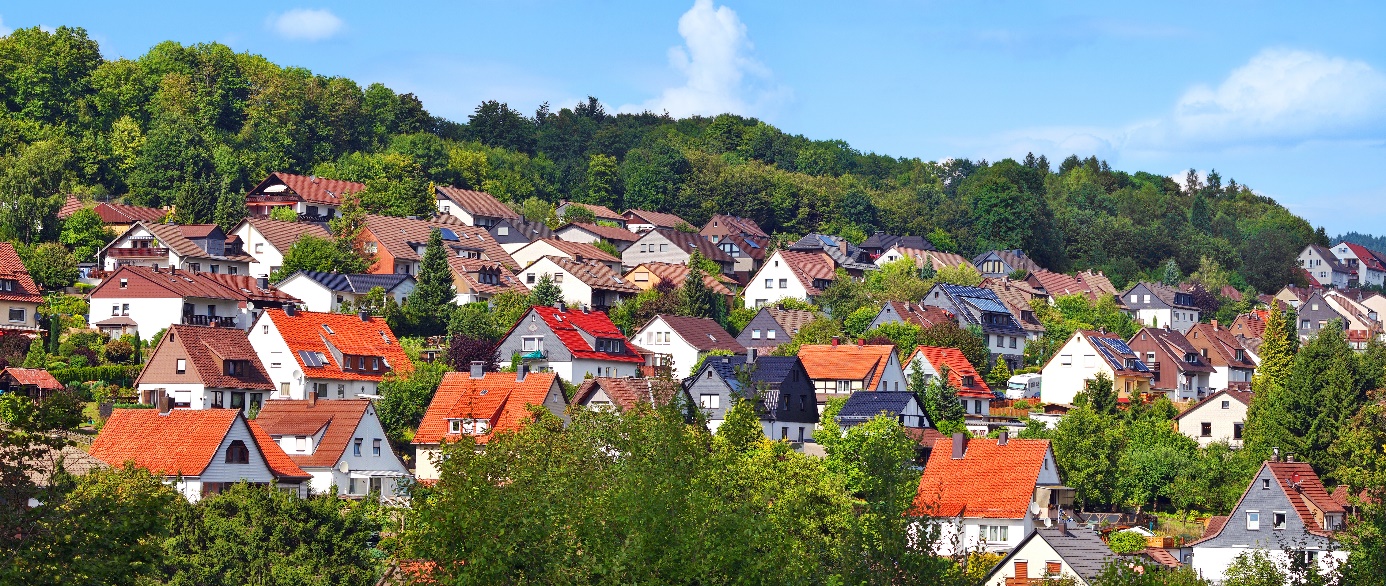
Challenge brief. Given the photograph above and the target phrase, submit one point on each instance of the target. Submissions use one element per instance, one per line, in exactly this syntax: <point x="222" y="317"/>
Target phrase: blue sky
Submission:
<point x="1289" y="98"/>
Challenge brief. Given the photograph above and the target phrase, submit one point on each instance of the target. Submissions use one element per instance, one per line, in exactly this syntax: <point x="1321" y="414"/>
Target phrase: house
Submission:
<point x="747" y="253"/>
<point x="1250" y="325"/>
<point x="1359" y="320"/>
<point x="678" y="342"/>
<point x="315" y="199"/>
<point x="621" y="238"/>
<point x="1368" y="266"/>
<point x="924" y="316"/>
<point x="721" y="225"/>
<point x="674" y="247"/>
<point x="474" y="208"/>
<point x="1178" y="370"/>
<point x="570" y="342"/>
<point x="267" y="241"/>
<point x="479" y="280"/>
<point x="1093" y="285"/>
<point x="593" y="285"/>
<point x="1050" y="554"/>
<point x="202" y="367"/>
<point x="198" y="452"/>
<point x="599" y="212"/>
<point x="1017" y="296"/>
<point x="1285" y="511"/>
<point x="513" y="235"/>
<point x="782" y="390"/>
<point x="844" y="254"/>
<point x="864" y="406"/>
<point x="331" y="355"/>
<point x="1232" y="364"/>
<point x="1219" y="417"/>
<point x="145" y="300"/>
<point x="1085" y="355"/>
<point x="1315" y="313"/>
<point x="578" y="251"/>
<point x="627" y="393"/>
<point x="398" y="243"/>
<point x="30" y="382"/>
<point x="790" y="274"/>
<point x="970" y="387"/>
<point x="879" y="242"/>
<point x="330" y="292"/>
<point x="1002" y="263"/>
<point x="838" y="370"/>
<point x="989" y="494"/>
<point x="645" y="220"/>
<point x="340" y="443"/>
<point x="1294" y="296"/>
<point x="1157" y="305"/>
<point x="772" y="326"/>
<point x="1004" y="337"/>
<point x="191" y="247"/>
<point x="650" y="275"/>
<point x="20" y="297"/>
<point x="479" y="405"/>
<point x="117" y="217"/>
<point x="933" y="259"/>
<point x="1324" y="267"/>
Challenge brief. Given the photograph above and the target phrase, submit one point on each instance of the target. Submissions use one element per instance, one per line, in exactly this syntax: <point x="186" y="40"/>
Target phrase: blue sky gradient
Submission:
<point x="1289" y="98"/>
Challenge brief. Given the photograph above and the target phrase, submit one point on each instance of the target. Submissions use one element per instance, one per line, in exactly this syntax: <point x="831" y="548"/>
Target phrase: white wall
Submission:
<point x="573" y="288"/>
<point x="267" y="258"/>
<point x="1179" y="319"/>
<point x="1222" y="420"/>
<point x="151" y="314"/>
<point x="271" y="349"/>
<point x="368" y="430"/>
<point x="450" y="208"/>
<point x="1212" y="562"/>
<point x="1037" y="554"/>
<point x="198" y="395"/>
<point x="684" y="354"/>
<point x="965" y="534"/>
<point x="535" y="251"/>
<point x="576" y="234"/>
<point x="1060" y="382"/>
<point x="775" y="269"/>
<point x="315" y="296"/>
<point x="785" y="430"/>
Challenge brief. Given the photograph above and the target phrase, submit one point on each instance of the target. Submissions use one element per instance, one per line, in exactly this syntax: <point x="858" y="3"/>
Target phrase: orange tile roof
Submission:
<point x="477" y="203"/>
<point x="496" y="398"/>
<point x="279" y="463"/>
<point x="628" y="393"/>
<point x="36" y="377"/>
<point x="990" y="481"/>
<point x="181" y="442"/>
<point x="291" y="417"/>
<point x="847" y="362"/>
<point x="304" y="332"/>
<point x="958" y="367"/>
<point x="13" y="268"/>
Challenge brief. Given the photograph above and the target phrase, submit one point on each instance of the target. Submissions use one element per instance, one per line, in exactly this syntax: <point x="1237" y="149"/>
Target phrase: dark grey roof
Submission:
<point x="854" y="258"/>
<point x="1014" y="258"/>
<point x="771" y="370"/>
<point x="1080" y="548"/>
<point x="864" y="405"/>
<point x="971" y="301"/>
<point x="358" y="283"/>
<point x="882" y="241"/>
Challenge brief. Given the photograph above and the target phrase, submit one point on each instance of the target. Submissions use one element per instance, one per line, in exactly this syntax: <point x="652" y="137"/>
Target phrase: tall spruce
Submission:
<point x="430" y="305"/>
<point x="696" y="299"/>
<point x="1266" y="422"/>
<point x="545" y="292"/>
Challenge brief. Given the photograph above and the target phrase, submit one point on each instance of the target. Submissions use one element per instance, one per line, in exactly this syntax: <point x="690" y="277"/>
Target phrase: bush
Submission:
<point x="1126" y="542"/>
<point x="112" y="374"/>
<point x="119" y="352"/>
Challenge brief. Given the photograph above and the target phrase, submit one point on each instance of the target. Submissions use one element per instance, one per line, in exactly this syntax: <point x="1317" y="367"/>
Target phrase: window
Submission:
<point x="663" y="247"/>
<point x="532" y="343"/>
<point x="375" y="363"/>
<point x="558" y="277"/>
<point x="1253" y="521"/>
<point x="375" y="447"/>
<point x="1065" y="359"/>
<point x="196" y="267"/>
<point x="341" y="391"/>
<point x="844" y="386"/>
<point x="1147" y="299"/>
<point x="995" y="533"/>
<point x="1013" y="341"/>
<point x="125" y="309"/>
<point x="784" y="283"/>
<point x="769" y="334"/>
<point x="503" y="231"/>
<point x="1205" y="429"/>
<point x="784" y="432"/>
<point x="1278" y="520"/>
<point x="1237" y="430"/>
<point x="1226" y="404"/>
<point x="755" y="334"/>
<point x="454" y="426"/>
<point x="356" y="447"/>
<point x="302" y="443"/>
<point x="216" y="269"/>
<point x="181" y="366"/>
<point x="16" y="314"/>
<point x="977" y="406"/>
<point x="529" y="278"/>
<point x="710" y="401"/>
<point x="123" y="283"/>
<point x="259" y="247"/>
<point x="1150" y="357"/>
<point x="115" y="310"/>
<point x="1265" y="484"/>
<point x="356" y="486"/>
<point x="237" y="453"/>
<point x="769" y="283"/>
<point x="232" y="270"/>
<point x="320" y="390"/>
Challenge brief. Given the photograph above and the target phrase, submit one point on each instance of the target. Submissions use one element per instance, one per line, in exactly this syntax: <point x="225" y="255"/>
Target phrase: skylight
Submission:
<point x="328" y="328"/>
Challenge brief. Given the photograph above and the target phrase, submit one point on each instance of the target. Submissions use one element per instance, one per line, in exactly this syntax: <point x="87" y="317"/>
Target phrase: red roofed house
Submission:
<point x="578" y="251"/>
<point x="19" y="295"/>
<point x="1087" y="354"/>
<point x="331" y="355"/>
<point x="988" y="494"/>
<point x="838" y="370"/>
<point x="570" y="342"/>
<point x="201" y="367"/>
<point x="1285" y="511"/>
<point x="188" y="247"/>
<point x="480" y="404"/>
<point x="474" y="208"/>
<point x="397" y="244"/>
<point x="199" y="452"/>
<point x="31" y="382"/>
<point x="144" y="300"/>
<point x="680" y="341"/>
<point x="118" y="217"/>
<point x="340" y="443"/>
<point x="971" y="388"/>
<point x="1368" y="266"/>
<point x="794" y="274"/>
<point x="643" y="220"/>
<point x="313" y="198"/>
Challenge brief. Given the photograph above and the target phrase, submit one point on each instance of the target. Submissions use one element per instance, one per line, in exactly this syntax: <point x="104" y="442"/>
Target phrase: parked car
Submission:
<point x="1023" y="386"/>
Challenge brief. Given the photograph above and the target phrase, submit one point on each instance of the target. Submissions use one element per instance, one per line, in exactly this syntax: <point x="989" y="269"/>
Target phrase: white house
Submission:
<point x="591" y="284"/>
<point x="578" y="251"/>
<point x="680" y="341"/>
<point x="790" y="274"/>
<point x="479" y="404"/>
<point x="571" y="342"/>
<point x="145" y="300"/>
<point x="474" y="208"/>
<point x="1053" y="553"/>
<point x="1220" y="417"/>
<point x="971" y="389"/>
<point x="266" y="241"/>
<point x="340" y="443"/>
<point x="1087" y="354"/>
<point x="189" y="247"/>
<point x="1369" y="265"/>
<point x="1159" y="306"/>
<point x="1325" y="267"/>
<point x="328" y="292"/>
<point x="331" y="355"/>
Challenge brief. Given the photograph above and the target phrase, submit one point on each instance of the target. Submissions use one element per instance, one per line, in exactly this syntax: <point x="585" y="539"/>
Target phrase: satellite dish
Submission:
<point x="343" y="467"/>
<point x="1034" y="508"/>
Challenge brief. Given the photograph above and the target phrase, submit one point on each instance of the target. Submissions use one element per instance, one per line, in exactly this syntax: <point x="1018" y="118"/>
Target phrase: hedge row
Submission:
<point x="114" y="374"/>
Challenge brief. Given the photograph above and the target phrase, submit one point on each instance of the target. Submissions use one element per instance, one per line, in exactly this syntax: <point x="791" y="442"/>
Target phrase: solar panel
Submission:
<point x="310" y="358"/>
<point x="448" y="234"/>
<point x="985" y="304"/>
<point x="1119" y="345"/>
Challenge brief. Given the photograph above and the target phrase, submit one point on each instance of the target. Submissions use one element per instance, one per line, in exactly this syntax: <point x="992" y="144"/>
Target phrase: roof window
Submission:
<point x="329" y="329"/>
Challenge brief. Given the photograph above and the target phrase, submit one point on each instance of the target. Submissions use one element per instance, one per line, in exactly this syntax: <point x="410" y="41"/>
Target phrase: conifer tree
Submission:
<point x="1000" y="374"/>
<point x="545" y="292"/>
<point x="430" y="305"/>
<point x="1266" y="422"/>
<point x="230" y="210"/>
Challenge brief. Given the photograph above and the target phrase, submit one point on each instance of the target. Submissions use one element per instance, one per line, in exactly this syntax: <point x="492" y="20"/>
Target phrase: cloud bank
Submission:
<point x="305" y="24"/>
<point x="719" y="73"/>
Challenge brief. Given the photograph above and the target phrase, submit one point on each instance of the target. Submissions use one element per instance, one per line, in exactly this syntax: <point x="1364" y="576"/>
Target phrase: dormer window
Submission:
<point x="1191" y="358"/>
<point x="469" y="426"/>
<point x="1241" y="355"/>
<point x="968" y="381"/>
<point x="234" y="367"/>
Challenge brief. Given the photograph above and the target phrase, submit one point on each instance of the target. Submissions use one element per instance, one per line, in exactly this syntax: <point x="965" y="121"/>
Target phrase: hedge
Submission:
<point x="114" y="374"/>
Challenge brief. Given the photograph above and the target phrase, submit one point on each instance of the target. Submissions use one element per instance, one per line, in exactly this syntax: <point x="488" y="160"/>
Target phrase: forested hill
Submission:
<point x="196" y="126"/>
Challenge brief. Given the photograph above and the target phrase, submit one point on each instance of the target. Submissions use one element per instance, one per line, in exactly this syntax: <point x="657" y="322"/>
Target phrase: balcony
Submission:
<point x="648" y="371"/>
<point x="268" y="199"/>
<point x="137" y="252"/>
<point x="209" y="320"/>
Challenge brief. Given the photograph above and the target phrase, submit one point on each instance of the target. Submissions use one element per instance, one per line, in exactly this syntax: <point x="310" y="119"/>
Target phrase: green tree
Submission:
<point x="283" y="214"/>
<point x="1098" y="394"/>
<point x="29" y="183"/>
<point x="85" y="233"/>
<point x="1088" y="448"/>
<point x="1254" y="568"/>
<point x="346" y="236"/>
<point x="999" y="375"/>
<point x="1126" y="542"/>
<point x="950" y="335"/>
<point x="696" y="299"/>
<point x="1170" y="274"/>
<point x="741" y="429"/>
<point x="403" y="399"/>
<point x="230" y="210"/>
<point x="50" y="264"/>
<point x="431" y="303"/>
<point x="545" y="292"/>
<point x="963" y="274"/>
<point x="308" y="253"/>
<point x="603" y="180"/>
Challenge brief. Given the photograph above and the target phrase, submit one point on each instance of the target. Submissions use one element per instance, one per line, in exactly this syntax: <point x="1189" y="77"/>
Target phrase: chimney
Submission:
<point x="561" y="306"/>
<point x="172" y="270"/>
<point x="478" y="369"/>
<point x="312" y="398"/>
<point x="365" y="315"/>
<point x="290" y="310"/>
<point x="165" y="404"/>
<point x="750" y="356"/>
<point x="1215" y="324"/>
<point x="262" y="282"/>
<point x="1063" y="528"/>
<point x="835" y="341"/>
<point x="1003" y="438"/>
<point x="1275" y="454"/>
<point x="520" y="372"/>
<point x="861" y="342"/>
<point x="907" y="306"/>
<point x="1290" y="458"/>
<point x="959" y="445"/>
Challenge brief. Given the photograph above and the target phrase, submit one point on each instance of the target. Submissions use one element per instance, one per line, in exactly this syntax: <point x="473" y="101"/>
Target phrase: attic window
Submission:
<point x="123" y="283"/>
<point x="329" y="329"/>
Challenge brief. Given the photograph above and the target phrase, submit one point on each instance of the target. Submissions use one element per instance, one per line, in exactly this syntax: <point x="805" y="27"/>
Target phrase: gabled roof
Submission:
<point x="612" y="233"/>
<point x="1081" y="549"/>
<point x="958" y="367"/>
<point x="628" y="393"/>
<point x="566" y="325"/>
<point x="599" y="212"/>
<point x="1367" y="257"/>
<point x="207" y="348"/>
<point x="700" y="332"/>
<point x="34" y="377"/>
<point x="469" y="269"/>
<point x="11" y="267"/>
<point x="148" y="282"/>
<point x="279" y="463"/>
<point x="990" y="481"/>
<point x="1177" y="346"/>
<point x="119" y="213"/>
<point x="310" y="188"/>
<point x="1253" y="323"/>
<point x="791" y="320"/>
<point x="972" y="302"/>
<point x="924" y="316"/>
<point x="497" y="397"/>
<point x="1301" y="485"/>
<point x="304" y="333"/>
<point x="477" y="203"/>
<point x="357" y="283"/>
<point x="735" y="224"/>
<point x="576" y="250"/>
<point x="1016" y="296"/>
<point x="676" y="274"/>
<point x="1225" y="346"/>
<point x="863" y="405"/>
<point x="690" y="242"/>
<point x="768" y="372"/>
<point x="1331" y="259"/>
<point x="1162" y="292"/>
<point x="71" y="205"/>
<point x="843" y="254"/>
<point x="866" y="363"/>
<point x="336" y="418"/>
<point x="808" y="266"/>
<point x="752" y="246"/>
<point x="1058" y="284"/>
<point x="399" y="236"/>
<point x="1243" y="397"/>
<point x="1097" y="282"/>
<point x="882" y="241"/>
<point x="937" y="259"/>
<point x="1015" y="258"/>
<point x="282" y="235"/>
<point x="594" y="274"/>
<point x="1119" y="357"/>
<point x="182" y="441"/>
<point x="179" y="239"/>
<point x="658" y="219"/>
<point x="530" y="230"/>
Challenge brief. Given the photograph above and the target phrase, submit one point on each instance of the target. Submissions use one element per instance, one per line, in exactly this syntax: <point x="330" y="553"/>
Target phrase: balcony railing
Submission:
<point x="145" y="252"/>
<point x="266" y="198"/>
<point x="209" y="320"/>
<point x="648" y="371"/>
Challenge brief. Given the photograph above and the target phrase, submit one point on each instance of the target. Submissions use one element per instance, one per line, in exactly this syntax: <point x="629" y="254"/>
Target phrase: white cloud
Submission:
<point x="719" y="74"/>
<point x="305" y="24"/>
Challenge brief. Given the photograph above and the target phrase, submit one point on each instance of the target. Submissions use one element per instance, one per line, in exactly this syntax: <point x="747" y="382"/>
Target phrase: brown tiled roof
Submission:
<point x="397" y="234"/>
<point x="340" y="417"/>
<point x="1302" y="485"/>
<point x="757" y="251"/>
<point x="599" y="212"/>
<point x="148" y="282"/>
<point x="1162" y="556"/>
<point x="34" y="377"/>
<point x="279" y="463"/>
<point x="924" y="316"/>
<point x="1058" y="284"/>
<point x="627" y="393"/>
<point x="119" y="213"/>
<point x="1165" y="293"/>
<point x="1176" y="345"/>
<point x="11" y="267"/>
<point x="1016" y="295"/>
<point x="282" y="235"/>
<point x="1225" y="346"/>
<point x="581" y="249"/>
<point x="1252" y="323"/>
<point x="477" y="203"/>
<point x="1243" y="397"/>
<point x="611" y="233"/>
<point x="702" y="333"/>
<point x="207" y="348"/>
<point x="791" y="319"/>
<point x="958" y="367"/>
<point x="176" y="238"/>
<point x="71" y="205"/>
<point x="676" y="274"/>
<point x="937" y="259"/>
<point x="594" y="274"/>
<point x="468" y="269"/>
<point x="736" y="223"/>
<point x="808" y="266"/>
<point x="690" y="242"/>
<point x="659" y="219"/>
<point x="1098" y="282"/>
<point x="312" y="189"/>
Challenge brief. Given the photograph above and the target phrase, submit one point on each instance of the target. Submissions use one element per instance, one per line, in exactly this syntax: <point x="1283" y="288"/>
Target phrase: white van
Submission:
<point x="1023" y="386"/>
